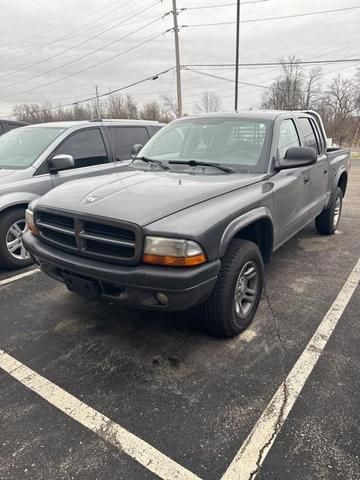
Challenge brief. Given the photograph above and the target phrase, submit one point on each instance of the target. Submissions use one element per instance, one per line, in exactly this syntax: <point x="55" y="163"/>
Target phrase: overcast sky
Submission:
<point x="47" y="33"/>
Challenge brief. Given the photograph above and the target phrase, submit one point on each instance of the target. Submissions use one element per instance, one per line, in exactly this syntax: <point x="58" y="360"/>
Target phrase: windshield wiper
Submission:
<point x="195" y="163"/>
<point x="152" y="160"/>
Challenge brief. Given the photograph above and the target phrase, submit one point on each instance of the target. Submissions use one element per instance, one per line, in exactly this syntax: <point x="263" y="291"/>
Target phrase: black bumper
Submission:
<point x="135" y="286"/>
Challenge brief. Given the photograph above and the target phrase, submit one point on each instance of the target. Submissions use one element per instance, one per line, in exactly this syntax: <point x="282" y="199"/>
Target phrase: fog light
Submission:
<point x="161" y="298"/>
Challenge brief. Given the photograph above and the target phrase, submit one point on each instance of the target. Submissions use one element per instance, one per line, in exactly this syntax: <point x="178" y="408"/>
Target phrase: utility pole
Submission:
<point x="177" y="58"/>
<point x="237" y="54"/>
<point x="97" y="102"/>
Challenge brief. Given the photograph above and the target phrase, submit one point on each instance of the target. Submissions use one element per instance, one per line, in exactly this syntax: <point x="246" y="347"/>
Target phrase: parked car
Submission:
<point x="36" y="158"/>
<point x="7" y="125"/>
<point x="196" y="215"/>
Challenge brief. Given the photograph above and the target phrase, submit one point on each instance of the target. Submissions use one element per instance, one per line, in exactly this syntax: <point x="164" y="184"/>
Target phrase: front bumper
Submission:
<point x="134" y="286"/>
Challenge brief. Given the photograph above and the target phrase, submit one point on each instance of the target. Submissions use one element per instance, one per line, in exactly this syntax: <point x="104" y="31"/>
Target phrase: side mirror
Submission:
<point x="297" y="157"/>
<point x="135" y="150"/>
<point x="61" y="162"/>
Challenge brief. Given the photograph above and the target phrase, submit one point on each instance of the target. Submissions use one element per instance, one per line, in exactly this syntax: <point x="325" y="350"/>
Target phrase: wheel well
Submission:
<point x="261" y="233"/>
<point x="342" y="183"/>
<point x="13" y="207"/>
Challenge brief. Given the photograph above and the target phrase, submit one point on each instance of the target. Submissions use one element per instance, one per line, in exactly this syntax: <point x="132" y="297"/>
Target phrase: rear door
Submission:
<point x="91" y="157"/>
<point x="320" y="170"/>
<point x="291" y="188"/>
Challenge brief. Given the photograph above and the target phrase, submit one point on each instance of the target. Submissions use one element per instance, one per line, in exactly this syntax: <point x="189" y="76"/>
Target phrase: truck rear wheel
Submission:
<point x="328" y="220"/>
<point x="235" y="298"/>
<point x="12" y="252"/>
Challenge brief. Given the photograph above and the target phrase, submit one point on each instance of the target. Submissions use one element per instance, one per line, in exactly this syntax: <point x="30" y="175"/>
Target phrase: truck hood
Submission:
<point x="142" y="197"/>
<point x="5" y="175"/>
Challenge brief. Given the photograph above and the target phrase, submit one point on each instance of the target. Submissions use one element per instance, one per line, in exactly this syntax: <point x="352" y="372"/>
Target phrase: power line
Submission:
<point x="270" y="64"/>
<point x="40" y="34"/>
<point x="87" y="68"/>
<point x="224" y="78"/>
<point x="271" y="18"/>
<point x="62" y="52"/>
<point x="68" y="35"/>
<point x="111" y="92"/>
<point x="200" y="7"/>
<point x="82" y="43"/>
<point x="92" y="52"/>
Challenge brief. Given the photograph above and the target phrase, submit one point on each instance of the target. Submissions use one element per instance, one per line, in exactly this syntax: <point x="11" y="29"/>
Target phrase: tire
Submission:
<point x="328" y="220"/>
<point x="17" y="259"/>
<point x="221" y="313"/>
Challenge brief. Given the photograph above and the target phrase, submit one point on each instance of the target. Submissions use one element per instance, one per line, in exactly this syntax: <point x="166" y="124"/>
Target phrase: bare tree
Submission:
<point x="286" y="92"/>
<point x="131" y="107"/>
<point x="311" y="89"/>
<point x="341" y="98"/>
<point x="169" y="106"/>
<point x="150" y="111"/>
<point x="209" y="102"/>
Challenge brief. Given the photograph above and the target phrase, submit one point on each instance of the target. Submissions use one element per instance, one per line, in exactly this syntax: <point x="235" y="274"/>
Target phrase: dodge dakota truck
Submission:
<point x="195" y="216"/>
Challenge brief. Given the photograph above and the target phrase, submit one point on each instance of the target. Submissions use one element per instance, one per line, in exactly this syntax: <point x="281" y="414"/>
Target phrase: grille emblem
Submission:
<point x="91" y="199"/>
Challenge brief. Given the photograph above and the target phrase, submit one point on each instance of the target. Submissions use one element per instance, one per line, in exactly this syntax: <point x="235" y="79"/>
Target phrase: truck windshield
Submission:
<point x="237" y="142"/>
<point x="21" y="147"/>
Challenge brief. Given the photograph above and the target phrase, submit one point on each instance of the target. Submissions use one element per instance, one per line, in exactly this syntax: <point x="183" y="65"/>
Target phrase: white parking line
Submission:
<point x="252" y="454"/>
<point x="138" y="449"/>
<point x="18" y="277"/>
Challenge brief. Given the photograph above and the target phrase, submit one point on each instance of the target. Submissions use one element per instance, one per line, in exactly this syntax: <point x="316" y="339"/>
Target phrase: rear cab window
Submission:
<point x="308" y="130"/>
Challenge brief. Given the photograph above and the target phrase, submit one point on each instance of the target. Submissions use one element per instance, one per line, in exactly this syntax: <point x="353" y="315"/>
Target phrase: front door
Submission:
<point x="291" y="189"/>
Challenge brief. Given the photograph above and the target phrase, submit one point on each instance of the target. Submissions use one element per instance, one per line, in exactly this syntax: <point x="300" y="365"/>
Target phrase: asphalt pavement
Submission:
<point x="192" y="397"/>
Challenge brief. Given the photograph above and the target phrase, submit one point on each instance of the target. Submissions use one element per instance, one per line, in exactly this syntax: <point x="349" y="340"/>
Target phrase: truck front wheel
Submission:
<point x="235" y="298"/>
<point x="328" y="220"/>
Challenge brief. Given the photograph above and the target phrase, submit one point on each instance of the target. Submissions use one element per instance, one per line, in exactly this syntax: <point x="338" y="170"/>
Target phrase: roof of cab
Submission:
<point x="245" y="114"/>
<point x="98" y="122"/>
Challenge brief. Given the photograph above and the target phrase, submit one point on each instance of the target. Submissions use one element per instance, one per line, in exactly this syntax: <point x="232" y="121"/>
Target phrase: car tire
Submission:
<point x="16" y="259"/>
<point x="328" y="220"/>
<point x="228" y="312"/>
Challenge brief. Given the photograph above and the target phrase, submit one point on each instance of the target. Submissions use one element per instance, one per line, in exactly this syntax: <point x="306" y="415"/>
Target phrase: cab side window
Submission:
<point x="308" y="133"/>
<point x="86" y="146"/>
<point x="288" y="137"/>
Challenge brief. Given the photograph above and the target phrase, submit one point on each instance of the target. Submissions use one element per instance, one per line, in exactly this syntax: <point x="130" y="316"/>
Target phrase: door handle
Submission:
<point x="306" y="179"/>
<point x="325" y="171"/>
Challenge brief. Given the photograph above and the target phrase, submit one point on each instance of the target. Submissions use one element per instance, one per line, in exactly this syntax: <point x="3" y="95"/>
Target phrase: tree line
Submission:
<point x="115" y="106"/>
<point x="338" y="102"/>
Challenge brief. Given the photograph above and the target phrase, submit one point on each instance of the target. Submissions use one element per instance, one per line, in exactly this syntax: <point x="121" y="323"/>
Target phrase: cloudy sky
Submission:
<point x="49" y="50"/>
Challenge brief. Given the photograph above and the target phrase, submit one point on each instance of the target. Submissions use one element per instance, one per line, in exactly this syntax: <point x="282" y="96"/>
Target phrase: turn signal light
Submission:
<point x="174" y="261"/>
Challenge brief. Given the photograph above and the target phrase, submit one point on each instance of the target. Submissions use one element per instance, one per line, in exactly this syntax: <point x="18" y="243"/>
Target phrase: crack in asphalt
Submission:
<point x="285" y="386"/>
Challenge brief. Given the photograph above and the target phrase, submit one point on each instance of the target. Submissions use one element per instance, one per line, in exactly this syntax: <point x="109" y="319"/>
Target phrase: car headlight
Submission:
<point x="29" y="217"/>
<point x="173" y="252"/>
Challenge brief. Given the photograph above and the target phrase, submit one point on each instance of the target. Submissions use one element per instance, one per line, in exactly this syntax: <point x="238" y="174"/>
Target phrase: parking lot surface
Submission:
<point x="192" y="398"/>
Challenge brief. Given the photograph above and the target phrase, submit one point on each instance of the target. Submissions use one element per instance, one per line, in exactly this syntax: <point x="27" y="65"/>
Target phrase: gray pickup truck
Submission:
<point x="196" y="215"/>
<point x="36" y="158"/>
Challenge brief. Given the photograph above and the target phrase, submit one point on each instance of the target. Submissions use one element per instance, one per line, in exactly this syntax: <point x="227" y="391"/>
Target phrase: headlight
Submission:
<point x="29" y="217"/>
<point x="173" y="252"/>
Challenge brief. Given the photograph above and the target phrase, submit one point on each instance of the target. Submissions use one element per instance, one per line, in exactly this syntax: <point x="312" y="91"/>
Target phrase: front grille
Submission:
<point x="109" y="241"/>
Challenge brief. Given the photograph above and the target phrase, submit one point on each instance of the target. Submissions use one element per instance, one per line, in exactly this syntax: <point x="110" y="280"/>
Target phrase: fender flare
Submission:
<point x="17" y="198"/>
<point x="241" y="222"/>
<point x="341" y="170"/>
